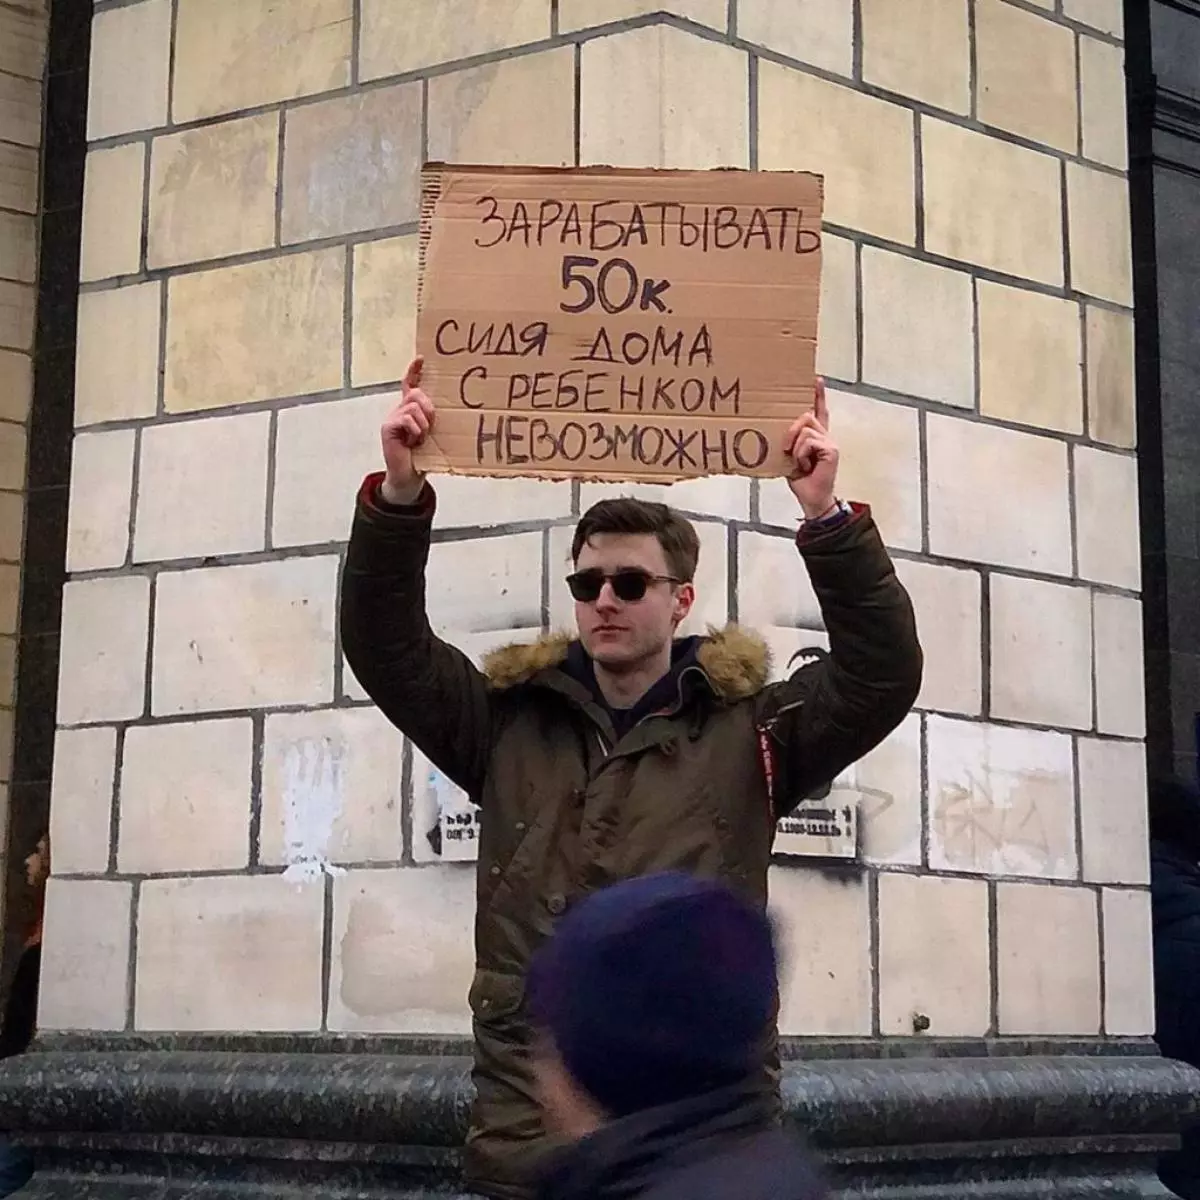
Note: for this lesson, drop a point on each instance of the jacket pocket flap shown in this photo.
(496, 994)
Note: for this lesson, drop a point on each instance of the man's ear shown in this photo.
(685, 597)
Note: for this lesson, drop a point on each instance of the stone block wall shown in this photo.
(242, 843)
(23, 35)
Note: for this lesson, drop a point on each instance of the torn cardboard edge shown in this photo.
(444, 451)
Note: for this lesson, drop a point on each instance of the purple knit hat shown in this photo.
(656, 990)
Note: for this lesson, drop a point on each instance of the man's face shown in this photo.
(621, 634)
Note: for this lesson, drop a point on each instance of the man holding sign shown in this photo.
(625, 750)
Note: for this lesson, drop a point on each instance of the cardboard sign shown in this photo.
(608, 324)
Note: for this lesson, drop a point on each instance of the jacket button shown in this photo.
(521, 827)
(669, 747)
(557, 904)
(495, 871)
(578, 795)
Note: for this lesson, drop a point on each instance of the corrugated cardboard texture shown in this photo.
(611, 324)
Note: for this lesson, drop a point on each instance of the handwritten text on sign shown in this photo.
(617, 324)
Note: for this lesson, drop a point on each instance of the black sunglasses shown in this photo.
(628, 584)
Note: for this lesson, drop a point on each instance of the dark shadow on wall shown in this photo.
(1163, 90)
(64, 149)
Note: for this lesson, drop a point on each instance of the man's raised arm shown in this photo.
(428, 689)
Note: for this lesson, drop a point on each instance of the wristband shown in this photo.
(834, 515)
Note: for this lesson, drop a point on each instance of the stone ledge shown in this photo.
(212, 1124)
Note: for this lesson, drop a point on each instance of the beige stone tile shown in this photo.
(81, 799)
(1120, 677)
(176, 469)
(880, 466)
(1102, 85)
(820, 32)
(20, 110)
(331, 789)
(1026, 68)
(1001, 800)
(863, 146)
(504, 590)
(917, 328)
(946, 601)
(235, 54)
(659, 97)
(16, 385)
(16, 315)
(323, 452)
(131, 58)
(1106, 15)
(1041, 652)
(18, 247)
(710, 495)
(824, 967)
(23, 43)
(229, 953)
(272, 644)
(116, 358)
(255, 332)
(102, 665)
(482, 115)
(886, 786)
(583, 14)
(352, 164)
(212, 191)
(1111, 410)
(1030, 358)
(1128, 964)
(933, 956)
(185, 797)
(85, 960)
(1048, 959)
(113, 185)
(101, 496)
(764, 600)
(837, 319)
(920, 49)
(425, 33)
(10, 597)
(1101, 258)
(13, 448)
(1112, 803)
(1106, 515)
(12, 525)
(385, 310)
(463, 501)
(975, 471)
(19, 177)
(402, 956)
(991, 203)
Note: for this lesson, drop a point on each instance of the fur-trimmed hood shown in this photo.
(737, 661)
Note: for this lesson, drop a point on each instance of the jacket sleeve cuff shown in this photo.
(810, 536)
(372, 504)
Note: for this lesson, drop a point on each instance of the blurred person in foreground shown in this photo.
(650, 1002)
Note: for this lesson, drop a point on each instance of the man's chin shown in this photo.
(610, 653)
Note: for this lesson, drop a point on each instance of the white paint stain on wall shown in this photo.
(313, 799)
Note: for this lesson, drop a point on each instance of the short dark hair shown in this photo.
(627, 515)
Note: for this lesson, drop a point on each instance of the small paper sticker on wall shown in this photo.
(447, 827)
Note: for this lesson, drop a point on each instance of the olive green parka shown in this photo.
(566, 807)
